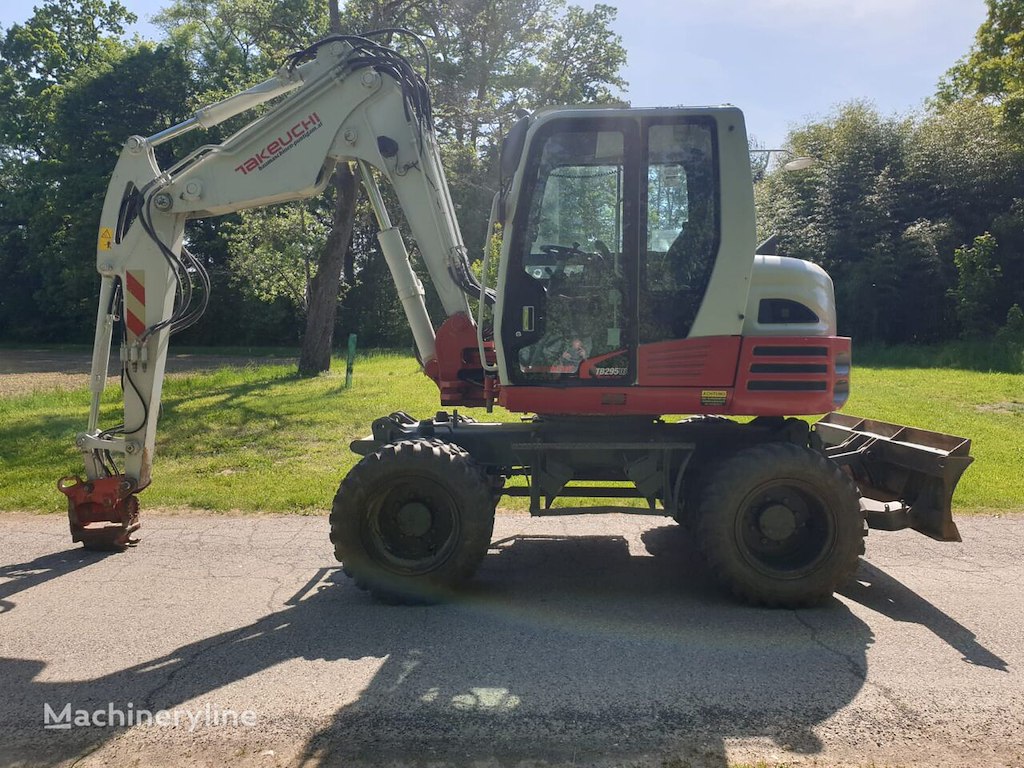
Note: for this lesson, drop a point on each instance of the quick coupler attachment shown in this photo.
(906, 475)
(103, 513)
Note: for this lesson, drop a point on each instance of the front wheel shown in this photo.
(780, 525)
(412, 521)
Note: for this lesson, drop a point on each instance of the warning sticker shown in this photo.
(713, 396)
(106, 238)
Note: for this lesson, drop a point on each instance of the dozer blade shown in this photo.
(906, 475)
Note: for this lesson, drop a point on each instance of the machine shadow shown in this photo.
(877, 590)
(568, 649)
(23, 576)
(576, 650)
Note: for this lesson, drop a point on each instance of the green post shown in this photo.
(351, 360)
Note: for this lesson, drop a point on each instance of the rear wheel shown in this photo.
(412, 521)
(779, 525)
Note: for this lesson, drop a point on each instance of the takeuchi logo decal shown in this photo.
(298, 133)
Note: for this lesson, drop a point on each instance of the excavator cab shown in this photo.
(614, 239)
(627, 269)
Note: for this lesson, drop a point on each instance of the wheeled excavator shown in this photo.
(629, 288)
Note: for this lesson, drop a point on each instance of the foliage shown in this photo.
(370, 307)
(892, 210)
(233, 44)
(1011, 335)
(273, 251)
(491, 58)
(887, 206)
(40, 58)
(994, 67)
(72, 85)
(582, 58)
(977, 277)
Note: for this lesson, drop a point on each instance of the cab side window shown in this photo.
(682, 227)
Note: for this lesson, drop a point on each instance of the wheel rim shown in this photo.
(413, 526)
(785, 529)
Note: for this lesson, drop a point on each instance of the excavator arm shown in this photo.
(343, 99)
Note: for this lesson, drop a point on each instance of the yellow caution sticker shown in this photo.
(713, 396)
(106, 238)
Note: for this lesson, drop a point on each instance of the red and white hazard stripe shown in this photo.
(135, 302)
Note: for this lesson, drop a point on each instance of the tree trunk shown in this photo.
(315, 356)
(317, 341)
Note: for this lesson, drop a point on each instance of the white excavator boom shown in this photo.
(343, 99)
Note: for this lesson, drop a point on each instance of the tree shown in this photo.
(71, 83)
(887, 206)
(994, 67)
(234, 43)
(581, 61)
(273, 252)
(919, 219)
(844, 213)
(317, 341)
(39, 58)
(966, 167)
(76, 88)
(1012, 332)
(491, 58)
(368, 307)
(978, 275)
(146, 89)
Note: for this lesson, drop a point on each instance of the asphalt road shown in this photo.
(585, 641)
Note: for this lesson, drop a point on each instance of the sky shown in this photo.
(783, 62)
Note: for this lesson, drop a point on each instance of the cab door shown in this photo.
(614, 240)
(569, 313)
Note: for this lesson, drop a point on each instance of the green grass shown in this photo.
(259, 438)
(249, 438)
(988, 408)
(992, 355)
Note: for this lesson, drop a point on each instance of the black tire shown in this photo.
(412, 521)
(696, 478)
(780, 525)
(693, 491)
